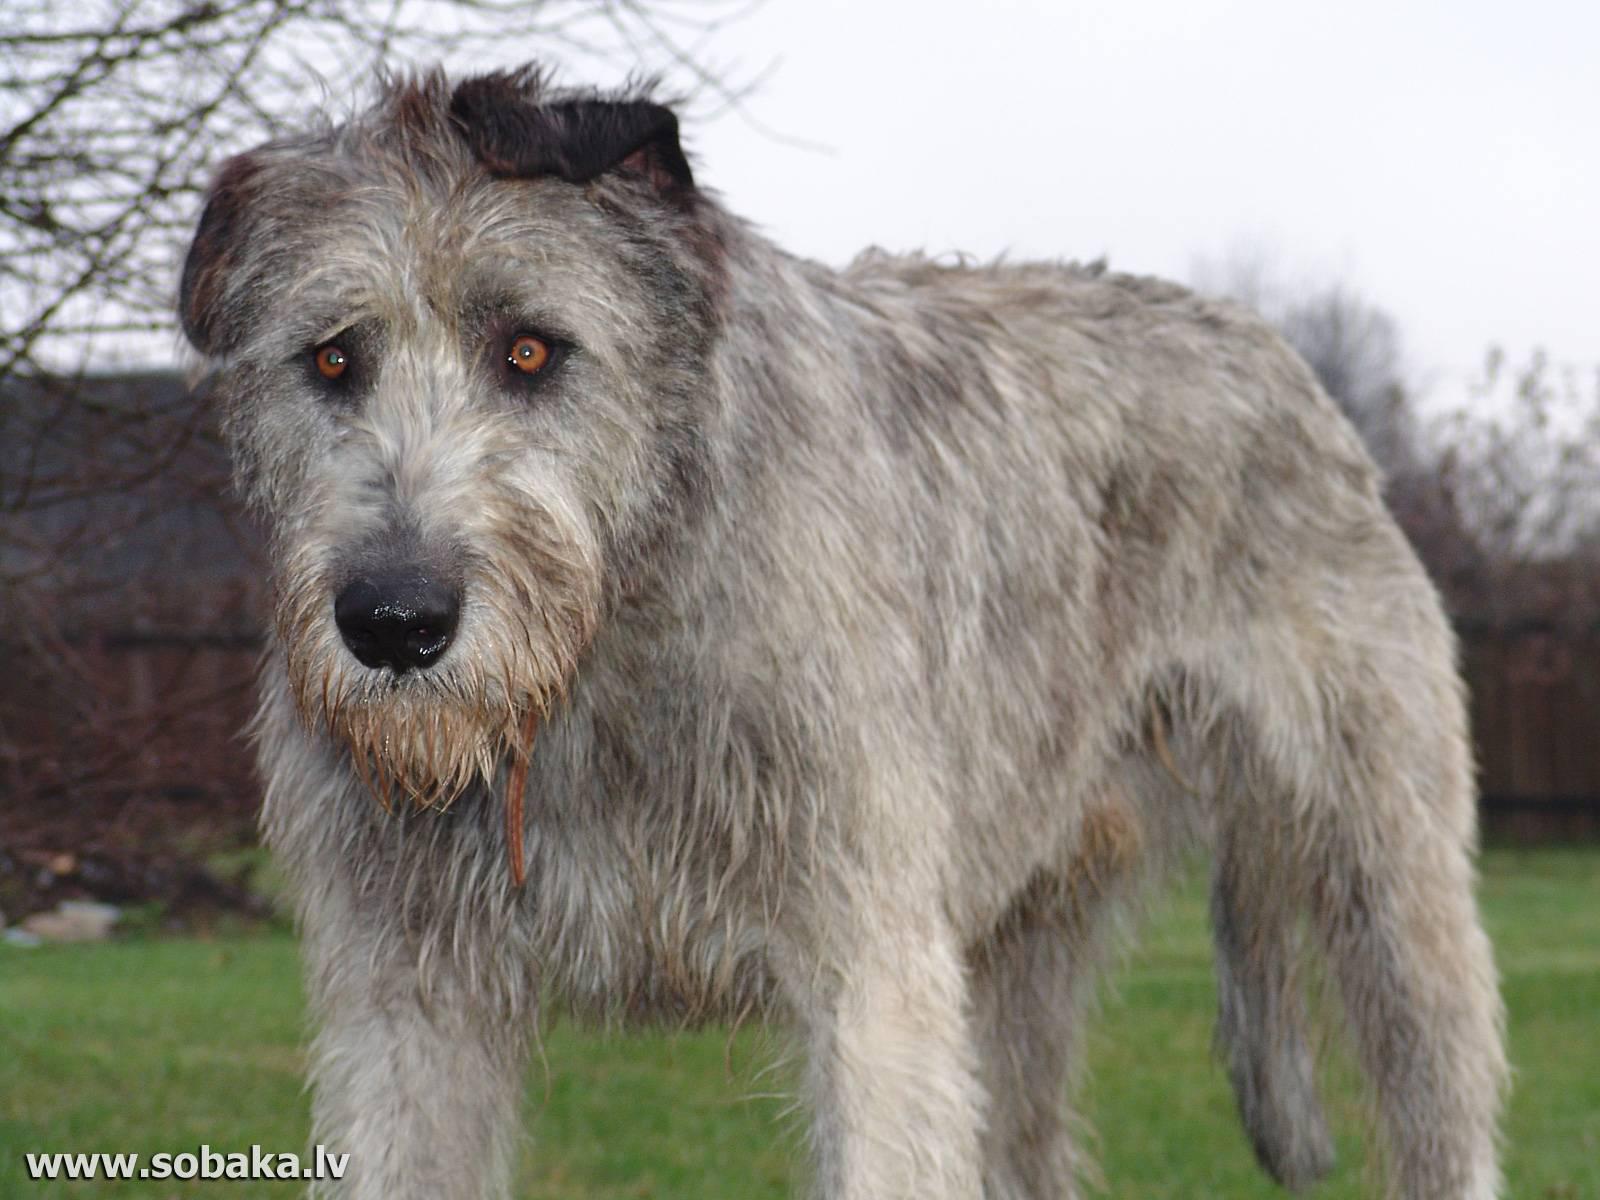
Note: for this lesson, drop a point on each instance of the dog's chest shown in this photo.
(654, 872)
(624, 927)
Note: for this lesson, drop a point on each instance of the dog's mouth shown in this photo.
(424, 707)
(421, 739)
(407, 765)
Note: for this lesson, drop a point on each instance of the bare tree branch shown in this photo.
(128, 582)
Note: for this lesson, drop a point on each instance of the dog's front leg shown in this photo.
(898, 1106)
(417, 1073)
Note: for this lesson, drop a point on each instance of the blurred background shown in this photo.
(1408, 191)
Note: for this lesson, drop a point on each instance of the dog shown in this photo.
(669, 628)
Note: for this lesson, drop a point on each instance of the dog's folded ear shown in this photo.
(516, 137)
(215, 255)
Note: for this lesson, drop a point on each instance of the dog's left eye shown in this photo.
(332, 362)
(529, 354)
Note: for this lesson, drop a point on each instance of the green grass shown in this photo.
(160, 1045)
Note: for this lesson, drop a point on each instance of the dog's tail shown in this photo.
(1261, 1023)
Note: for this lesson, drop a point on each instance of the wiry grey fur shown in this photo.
(884, 631)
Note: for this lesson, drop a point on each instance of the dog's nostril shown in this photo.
(398, 620)
(426, 642)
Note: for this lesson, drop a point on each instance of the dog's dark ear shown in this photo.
(575, 140)
(636, 135)
(215, 254)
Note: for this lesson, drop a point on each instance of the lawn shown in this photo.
(163, 1045)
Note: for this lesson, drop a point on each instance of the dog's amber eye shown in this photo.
(332, 362)
(528, 353)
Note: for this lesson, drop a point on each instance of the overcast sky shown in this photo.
(1438, 157)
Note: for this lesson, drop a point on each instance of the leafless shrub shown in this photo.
(1521, 467)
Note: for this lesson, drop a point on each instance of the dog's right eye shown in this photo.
(332, 362)
(529, 354)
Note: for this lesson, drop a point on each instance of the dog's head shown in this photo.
(462, 342)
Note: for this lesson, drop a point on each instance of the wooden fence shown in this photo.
(177, 700)
(1536, 725)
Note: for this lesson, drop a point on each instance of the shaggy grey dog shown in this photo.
(670, 628)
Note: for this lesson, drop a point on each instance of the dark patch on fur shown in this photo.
(575, 140)
(214, 255)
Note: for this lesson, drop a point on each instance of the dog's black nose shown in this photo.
(400, 620)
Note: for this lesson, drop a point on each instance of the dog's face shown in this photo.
(462, 343)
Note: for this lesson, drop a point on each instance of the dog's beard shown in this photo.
(424, 737)
(415, 748)
(422, 744)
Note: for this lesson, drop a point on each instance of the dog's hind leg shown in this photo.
(1367, 780)
(1025, 1015)
(1261, 1022)
(1392, 904)
(1032, 983)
